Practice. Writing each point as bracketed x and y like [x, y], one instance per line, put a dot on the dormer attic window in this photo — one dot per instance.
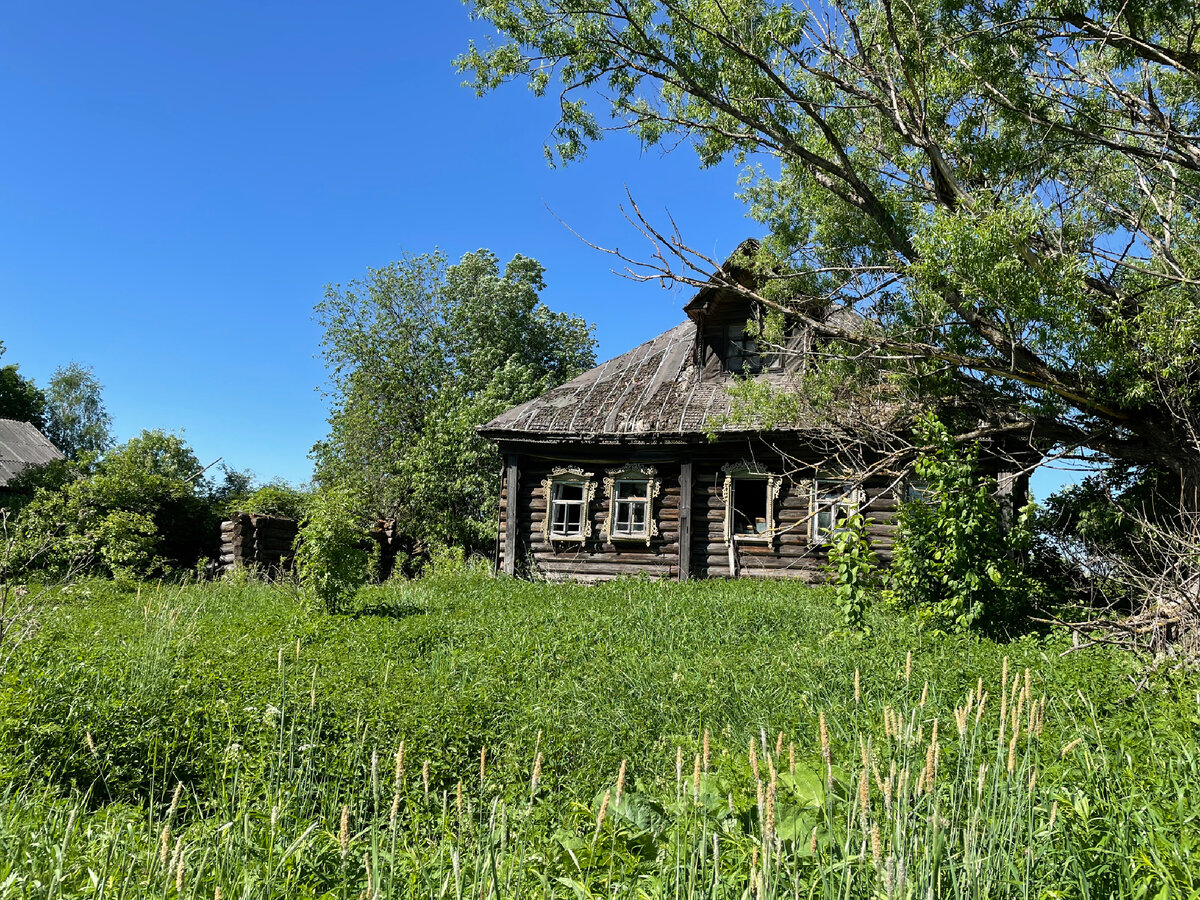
[740, 350]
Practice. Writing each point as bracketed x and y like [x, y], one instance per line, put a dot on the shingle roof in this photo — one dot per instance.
[653, 392]
[22, 445]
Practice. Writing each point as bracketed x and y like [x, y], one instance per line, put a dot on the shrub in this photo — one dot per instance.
[330, 554]
[852, 568]
[954, 560]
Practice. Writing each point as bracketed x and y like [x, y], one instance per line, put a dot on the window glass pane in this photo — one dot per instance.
[622, 524]
[567, 490]
[639, 517]
[631, 489]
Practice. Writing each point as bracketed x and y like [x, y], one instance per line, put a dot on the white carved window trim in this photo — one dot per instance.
[735, 471]
[646, 475]
[841, 496]
[569, 475]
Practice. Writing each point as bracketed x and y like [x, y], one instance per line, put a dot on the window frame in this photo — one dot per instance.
[744, 472]
[551, 485]
[841, 497]
[643, 475]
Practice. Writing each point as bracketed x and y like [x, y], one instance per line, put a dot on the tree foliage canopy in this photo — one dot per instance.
[1006, 190]
[76, 421]
[20, 398]
[419, 354]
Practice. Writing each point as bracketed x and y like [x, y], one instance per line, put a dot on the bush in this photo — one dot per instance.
[330, 554]
[954, 560]
[852, 569]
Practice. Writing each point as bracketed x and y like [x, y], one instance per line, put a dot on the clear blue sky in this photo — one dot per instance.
[178, 182]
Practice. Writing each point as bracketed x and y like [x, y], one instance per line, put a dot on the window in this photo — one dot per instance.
[832, 502]
[750, 503]
[631, 492]
[750, 507]
[916, 490]
[740, 350]
[566, 509]
[630, 508]
[568, 492]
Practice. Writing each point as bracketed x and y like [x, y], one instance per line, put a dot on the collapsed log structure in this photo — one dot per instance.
[262, 543]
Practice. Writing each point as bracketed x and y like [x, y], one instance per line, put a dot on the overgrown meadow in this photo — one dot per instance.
[465, 736]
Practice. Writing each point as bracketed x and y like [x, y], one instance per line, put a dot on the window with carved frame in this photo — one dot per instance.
[749, 496]
[568, 492]
[630, 493]
[832, 501]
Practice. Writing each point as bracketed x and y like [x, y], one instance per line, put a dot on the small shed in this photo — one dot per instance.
[22, 446]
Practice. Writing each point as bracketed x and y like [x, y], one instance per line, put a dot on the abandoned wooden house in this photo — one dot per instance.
[22, 446]
[639, 466]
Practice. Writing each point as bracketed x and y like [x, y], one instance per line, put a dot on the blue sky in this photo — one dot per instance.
[178, 182]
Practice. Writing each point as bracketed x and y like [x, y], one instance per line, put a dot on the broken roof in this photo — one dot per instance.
[21, 446]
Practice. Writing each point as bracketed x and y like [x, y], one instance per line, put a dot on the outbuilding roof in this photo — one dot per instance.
[21, 446]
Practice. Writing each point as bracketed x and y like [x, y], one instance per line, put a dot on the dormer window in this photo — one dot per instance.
[740, 349]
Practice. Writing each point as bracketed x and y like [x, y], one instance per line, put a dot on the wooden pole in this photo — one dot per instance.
[685, 520]
[512, 477]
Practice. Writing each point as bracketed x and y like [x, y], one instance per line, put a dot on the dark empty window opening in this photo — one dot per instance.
[566, 509]
[750, 507]
[741, 353]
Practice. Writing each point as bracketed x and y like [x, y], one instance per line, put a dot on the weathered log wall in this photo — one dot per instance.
[791, 555]
[263, 543]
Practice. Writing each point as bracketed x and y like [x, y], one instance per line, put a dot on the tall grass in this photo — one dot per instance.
[880, 777]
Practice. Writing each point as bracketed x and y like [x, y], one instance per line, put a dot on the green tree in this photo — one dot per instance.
[143, 510]
[77, 422]
[419, 354]
[20, 398]
[1005, 190]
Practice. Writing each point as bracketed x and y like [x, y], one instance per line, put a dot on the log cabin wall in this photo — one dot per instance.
[791, 555]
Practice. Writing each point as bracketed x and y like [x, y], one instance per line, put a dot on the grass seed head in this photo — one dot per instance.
[857, 687]
[908, 667]
[876, 848]
[982, 780]
[791, 758]
[533, 779]
[924, 694]
[344, 831]
[399, 765]
[1012, 754]
[754, 760]
[620, 782]
[482, 764]
[779, 745]
[678, 768]
[1071, 746]
[425, 778]
[602, 813]
[826, 753]
[864, 794]
[707, 749]
[696, 778]
[164, 845]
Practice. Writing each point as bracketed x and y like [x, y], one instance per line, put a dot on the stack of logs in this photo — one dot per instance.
[263, 543]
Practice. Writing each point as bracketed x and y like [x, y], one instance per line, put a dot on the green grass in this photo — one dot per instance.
[275, 718]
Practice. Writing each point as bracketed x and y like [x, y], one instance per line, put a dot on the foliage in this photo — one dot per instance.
[275, 498]
[330, 552]
[1006, 193]
[955, 559]
[287, 725]
[20, 398]
[140, 510]
[852, 568]
[76, 421]
[419, 354]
